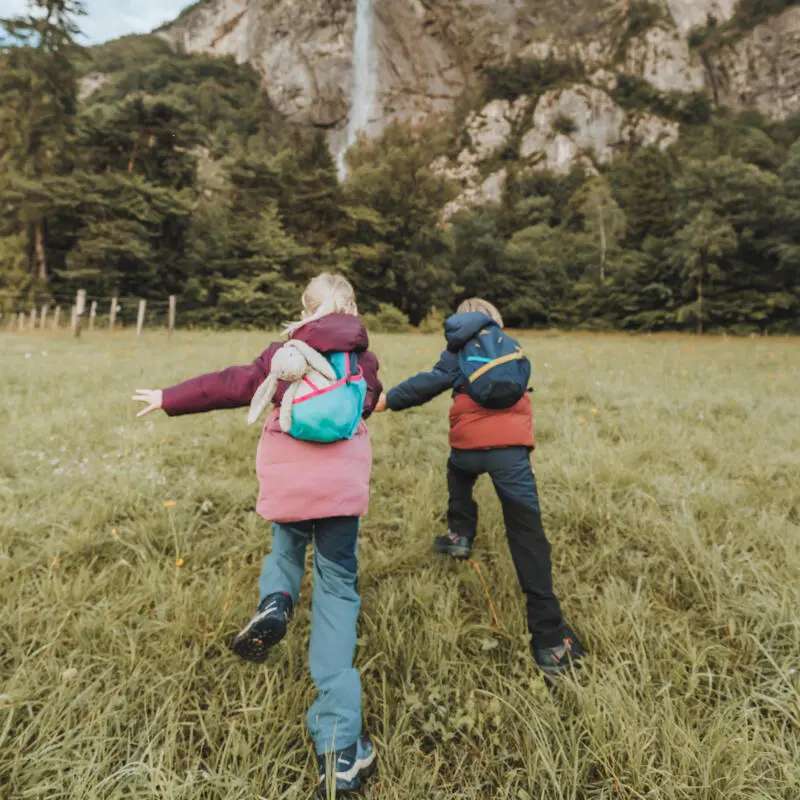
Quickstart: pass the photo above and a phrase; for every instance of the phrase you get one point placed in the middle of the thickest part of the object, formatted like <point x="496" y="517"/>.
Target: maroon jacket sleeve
<point x="369" y="365"/>
<point x="233" y="387"/>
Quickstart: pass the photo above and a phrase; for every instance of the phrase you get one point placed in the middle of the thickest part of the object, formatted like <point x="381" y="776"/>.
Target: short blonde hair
<point x="325" y="294"/>
<point x="481" y="306"/>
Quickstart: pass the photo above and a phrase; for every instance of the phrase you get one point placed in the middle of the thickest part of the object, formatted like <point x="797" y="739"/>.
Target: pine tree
<point x="603" y="220"/>
<point x="643" y="187"/>
<point x="38" y="87"/>
<point x="392" y="177"/>
<point x="702" y="247"/>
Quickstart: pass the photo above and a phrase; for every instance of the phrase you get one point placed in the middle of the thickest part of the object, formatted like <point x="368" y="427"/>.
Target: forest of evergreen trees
<point x="177" y="176"/>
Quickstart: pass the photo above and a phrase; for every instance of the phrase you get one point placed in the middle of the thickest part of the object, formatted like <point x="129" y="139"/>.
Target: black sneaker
<point x="265" y="630"/>
<point x="350" y="767"/>
<point x="557" y="660"/>
<point x="453" y="545"/>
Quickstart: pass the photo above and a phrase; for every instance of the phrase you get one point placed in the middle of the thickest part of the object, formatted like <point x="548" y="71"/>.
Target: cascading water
<point x="365" y="80"/>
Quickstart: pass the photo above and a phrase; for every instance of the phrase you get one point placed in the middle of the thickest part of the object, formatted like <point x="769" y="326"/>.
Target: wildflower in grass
<point x="179" y="563"/>
<point x="595" y="411"/>
<point x="581" y="420"/>
<point x="170" y="503"/>
<point x="84" y="368"/>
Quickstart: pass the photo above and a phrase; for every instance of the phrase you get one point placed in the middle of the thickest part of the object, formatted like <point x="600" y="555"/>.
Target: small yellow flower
<point x="53" y="561"/>
<point x="179" y="563"/>
<point x="595" y="411"/>
<point x="170" y="503"/>
<point x="684" y="372"/>
<point x="772" y="355"/>
<point x="581" y="420"/>
<point x="164" y="440"/>
<point x="84" y="368"/>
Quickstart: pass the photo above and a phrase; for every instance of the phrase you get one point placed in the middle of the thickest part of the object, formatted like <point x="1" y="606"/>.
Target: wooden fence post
<point x="92" y="314"/>
<point x="21" y="321"/>
<point x="33" y="318"/>
<point x="56" y="317"/>
<point x="80" y="307"/>
<point x="43" y="318"/>
<point x="140" y="317"/>
<point x="73" y="319"/>
<point x="112" y="314"/>
<point x="171" y="323"/>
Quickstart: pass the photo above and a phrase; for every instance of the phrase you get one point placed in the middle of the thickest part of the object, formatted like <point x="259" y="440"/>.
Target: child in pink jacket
<point x="310" y="492"/>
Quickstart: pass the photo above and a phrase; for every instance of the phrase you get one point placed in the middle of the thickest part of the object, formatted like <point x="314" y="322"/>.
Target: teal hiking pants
<point x="334" y="719"/>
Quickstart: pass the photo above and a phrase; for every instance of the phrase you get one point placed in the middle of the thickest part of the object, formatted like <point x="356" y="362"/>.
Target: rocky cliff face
<point x="429" y="52"/>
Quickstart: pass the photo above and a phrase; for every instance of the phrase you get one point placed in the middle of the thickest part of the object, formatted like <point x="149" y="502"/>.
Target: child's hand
<point x="153" y="398"/>
<point x="381" y="405"/>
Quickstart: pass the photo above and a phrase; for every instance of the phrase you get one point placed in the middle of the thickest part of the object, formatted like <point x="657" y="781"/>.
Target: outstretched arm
<point x="233" y="387"/>
<point x="427" y="385"/>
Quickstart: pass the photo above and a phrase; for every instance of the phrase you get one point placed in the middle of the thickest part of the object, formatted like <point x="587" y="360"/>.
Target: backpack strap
<point x="494" y="363"/>
<point x="352" y="368"/>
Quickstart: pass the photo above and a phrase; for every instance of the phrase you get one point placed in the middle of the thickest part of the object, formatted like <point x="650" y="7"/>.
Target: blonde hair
<point x="325" y="294"/>
<point x="478" y="304"/>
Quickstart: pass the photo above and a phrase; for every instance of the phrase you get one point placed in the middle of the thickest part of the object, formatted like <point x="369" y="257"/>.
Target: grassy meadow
<point x="669" y="475"/>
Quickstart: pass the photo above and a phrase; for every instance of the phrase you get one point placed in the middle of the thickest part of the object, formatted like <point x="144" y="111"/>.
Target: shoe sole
<point x="255" y="647"/>
<point x="364" y="773"/>
<point x="460" y="553"/>
<point x="557" y="672"/>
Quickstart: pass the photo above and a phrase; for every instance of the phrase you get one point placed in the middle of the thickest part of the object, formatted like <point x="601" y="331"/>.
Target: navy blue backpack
<point x="495" y="367"/>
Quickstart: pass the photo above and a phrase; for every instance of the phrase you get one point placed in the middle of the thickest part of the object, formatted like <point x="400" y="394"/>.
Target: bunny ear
<point x="286" y="408"/>
<point x="262" y="398"/>
<point x="315" y="360"/>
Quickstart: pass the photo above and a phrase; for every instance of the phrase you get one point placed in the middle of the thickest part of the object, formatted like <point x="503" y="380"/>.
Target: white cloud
<point x="108" y="19"/>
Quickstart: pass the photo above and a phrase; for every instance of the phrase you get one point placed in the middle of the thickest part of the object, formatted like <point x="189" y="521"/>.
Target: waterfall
<point x="365" y="80"/>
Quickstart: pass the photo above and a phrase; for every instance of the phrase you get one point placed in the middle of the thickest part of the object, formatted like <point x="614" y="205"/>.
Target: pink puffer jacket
<point x="303" y="480"/>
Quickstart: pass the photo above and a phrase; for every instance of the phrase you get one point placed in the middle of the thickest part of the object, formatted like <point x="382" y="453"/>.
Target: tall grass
<point x="668" y="470"/>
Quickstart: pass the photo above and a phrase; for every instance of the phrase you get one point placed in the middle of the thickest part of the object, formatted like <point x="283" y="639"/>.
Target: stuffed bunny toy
<point x="301" y="366"/>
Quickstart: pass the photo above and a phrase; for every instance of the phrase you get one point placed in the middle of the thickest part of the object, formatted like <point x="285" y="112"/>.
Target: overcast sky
<point x="109" y="19"/>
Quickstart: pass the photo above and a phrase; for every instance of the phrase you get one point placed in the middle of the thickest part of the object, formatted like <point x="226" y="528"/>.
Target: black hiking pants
<point x="512" y="475"/>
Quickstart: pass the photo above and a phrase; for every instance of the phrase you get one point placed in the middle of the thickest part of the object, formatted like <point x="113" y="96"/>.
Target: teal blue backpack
<point x="496" y="370"/>
<point x="333" y="413"/>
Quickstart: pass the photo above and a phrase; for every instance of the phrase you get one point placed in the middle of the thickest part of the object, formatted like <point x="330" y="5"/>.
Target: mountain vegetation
<point x="131" y="169"/>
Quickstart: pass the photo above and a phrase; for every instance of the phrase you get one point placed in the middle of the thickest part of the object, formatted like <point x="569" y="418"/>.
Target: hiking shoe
<point x="265" y="629"/>
<point x="453" y="545"/>
<point x="557" y="660"/>
<point x="350" y="767"/>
